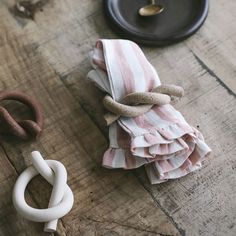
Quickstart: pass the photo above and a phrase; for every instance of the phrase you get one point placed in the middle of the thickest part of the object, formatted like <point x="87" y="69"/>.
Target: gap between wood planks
<point x="204" y="66"/>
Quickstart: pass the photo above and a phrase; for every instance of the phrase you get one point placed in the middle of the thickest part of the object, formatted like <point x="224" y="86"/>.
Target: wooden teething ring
<point x="135" y="104"/>
<point x="24" y="129"/>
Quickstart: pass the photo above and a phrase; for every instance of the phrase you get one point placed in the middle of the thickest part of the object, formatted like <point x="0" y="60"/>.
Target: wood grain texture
<point x="47" y="57"/>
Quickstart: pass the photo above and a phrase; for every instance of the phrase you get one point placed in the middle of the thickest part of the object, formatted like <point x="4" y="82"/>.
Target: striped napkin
<point x="160" y="139"/>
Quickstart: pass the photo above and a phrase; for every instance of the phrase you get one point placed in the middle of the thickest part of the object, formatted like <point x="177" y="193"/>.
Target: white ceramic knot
<point x="61" y="200"/>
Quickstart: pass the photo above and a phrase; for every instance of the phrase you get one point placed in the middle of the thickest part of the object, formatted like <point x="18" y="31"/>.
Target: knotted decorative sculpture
<point x="149" y="131"/>
<point x="24" y="129"/>
<point x="136" y="104"/>
<point x="61" y="200"/>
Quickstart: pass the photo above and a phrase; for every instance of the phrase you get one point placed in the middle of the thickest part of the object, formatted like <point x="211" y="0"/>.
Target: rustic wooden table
<point x="47" y="57"/>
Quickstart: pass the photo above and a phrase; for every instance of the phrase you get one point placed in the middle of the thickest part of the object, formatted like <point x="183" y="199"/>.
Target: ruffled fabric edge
<point x="192" y="163"/>
<point x="160" y="168"/>
<point x="167" y="140"/>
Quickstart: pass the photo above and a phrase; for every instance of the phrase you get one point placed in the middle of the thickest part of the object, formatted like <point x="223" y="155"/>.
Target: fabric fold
<point x="160" y="139"/>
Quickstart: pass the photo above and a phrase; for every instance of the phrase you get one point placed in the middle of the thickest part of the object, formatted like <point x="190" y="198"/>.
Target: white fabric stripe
<point x="113" y="70"/>
<point x="98" y="53"/>
<point x="100" y="78"/>
<point x="113" y="135"/>
<point x="157" y="81"/>
<point x="202" y="148"/>
<point x="139" y="152"/>
<point x="119" y="159"/>
<point x="176" y="114"/>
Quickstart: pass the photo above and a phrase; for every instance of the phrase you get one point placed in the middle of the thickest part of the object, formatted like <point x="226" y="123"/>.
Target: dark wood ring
<point x="24" y="129"/>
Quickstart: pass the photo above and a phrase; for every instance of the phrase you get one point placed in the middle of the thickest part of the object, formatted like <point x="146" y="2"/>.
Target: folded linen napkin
<point x="160" y="139"/>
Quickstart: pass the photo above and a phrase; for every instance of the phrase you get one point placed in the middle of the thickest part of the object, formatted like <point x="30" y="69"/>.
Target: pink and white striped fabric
<point x="160" y="139"/>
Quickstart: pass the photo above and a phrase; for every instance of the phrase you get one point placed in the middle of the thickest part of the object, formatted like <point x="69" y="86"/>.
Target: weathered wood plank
<point x="106" y="202"/>
<point x="201" y="203"/>
<point x="214" y="45"/>
<point x="47" y="57"/>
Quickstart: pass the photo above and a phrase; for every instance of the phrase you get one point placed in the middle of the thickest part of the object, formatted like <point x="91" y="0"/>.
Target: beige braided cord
<point x="136" y="104"/>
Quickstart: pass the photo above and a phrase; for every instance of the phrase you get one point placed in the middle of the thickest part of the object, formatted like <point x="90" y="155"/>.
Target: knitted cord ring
<point x="24" y="129"/>
<point x="136" y="104"/>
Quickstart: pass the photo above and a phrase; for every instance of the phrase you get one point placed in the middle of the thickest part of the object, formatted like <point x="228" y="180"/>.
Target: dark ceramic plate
<point x="179" y="20"/>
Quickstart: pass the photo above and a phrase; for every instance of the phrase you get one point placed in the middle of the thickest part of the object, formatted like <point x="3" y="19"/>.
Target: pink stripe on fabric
<point x="130" y="160"/>
<point x="170" y="163"/>
<point x="150" y="138"/>
<point x="123" y="139"/>
<point x="100" y="64"/>
<point x="127" y="74"/>
<point x="142" y="122"/>
<point x="165" y="165"/>
<point x="108" y="158"/>
<point x="99" y="45"/>
<point x="185" y="165"/>
<point x="146" y="152"/>
<point x="98" y="57"/>
<point x="164" y="114"/>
